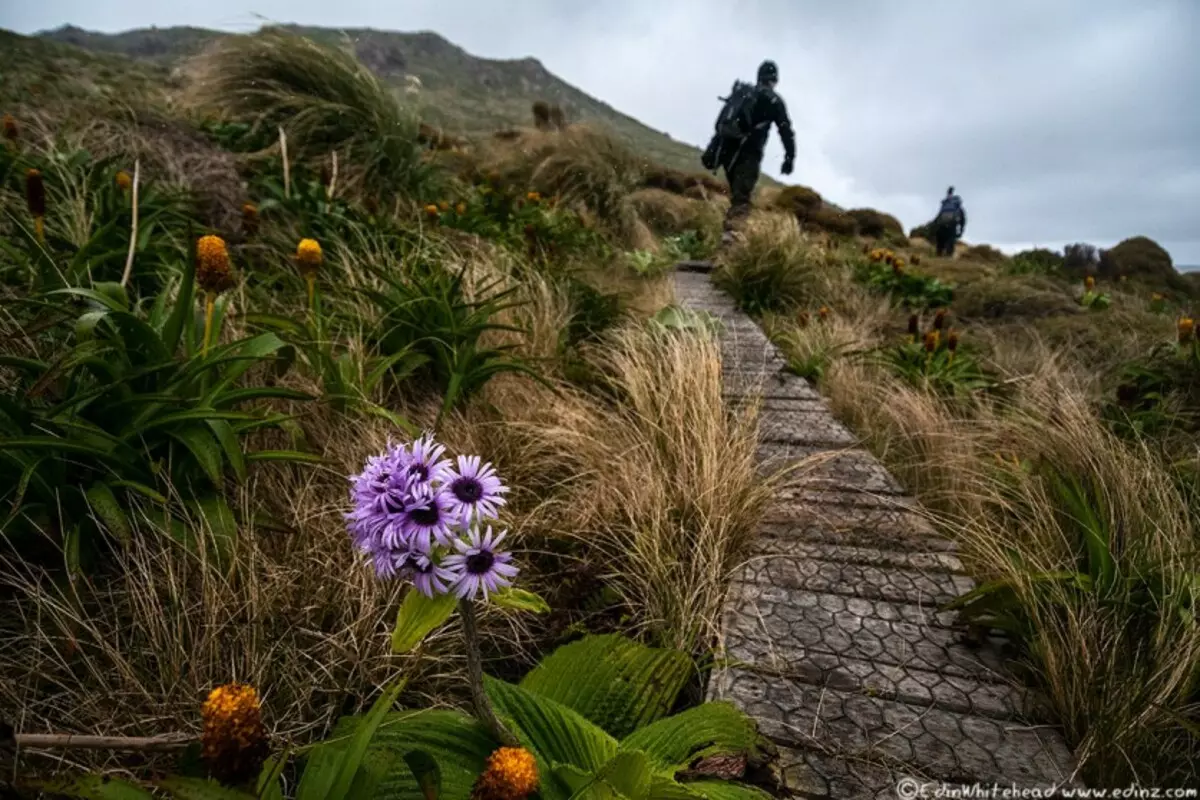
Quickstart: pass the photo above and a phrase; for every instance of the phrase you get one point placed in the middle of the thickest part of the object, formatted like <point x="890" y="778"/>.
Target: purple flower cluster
<point x="418" y="516"/>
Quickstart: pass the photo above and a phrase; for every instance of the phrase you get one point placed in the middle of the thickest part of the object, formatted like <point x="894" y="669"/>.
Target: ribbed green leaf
<point x="725" y="790"/>
<point x="555" y="733"/>
<point x="356" y="750"/>
<point x="459" y="744"/>
<point x="615" y="682"/>
<point x="418" y="616"/>
<point x="285" y="455"/>
<point x="711" y="729"/>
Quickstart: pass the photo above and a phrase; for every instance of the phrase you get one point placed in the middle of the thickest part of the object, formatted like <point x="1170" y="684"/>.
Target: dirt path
<point x="832" y="632"/>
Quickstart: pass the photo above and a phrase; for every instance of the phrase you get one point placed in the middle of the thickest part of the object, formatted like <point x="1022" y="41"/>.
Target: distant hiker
<point x="949" y="223"/>
<point x="741" y="134"/>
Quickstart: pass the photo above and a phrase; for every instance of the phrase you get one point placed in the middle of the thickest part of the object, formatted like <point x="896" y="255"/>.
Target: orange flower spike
<point x="511" y="774"/>
<point x="124" y="182"/>
<point x="1089" y="283"/>
<point x="233" y="741"/>
<point x="932" y="339"/>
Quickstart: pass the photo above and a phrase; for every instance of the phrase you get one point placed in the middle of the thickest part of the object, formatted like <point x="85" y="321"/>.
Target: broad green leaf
<point x="615" y="682"/>
<point x="230" y="444"/>
<point x="556" y="734"/>
<point x="459" y="744"/>
<point x="710" y="729"/>
<point x="418" y="617"/>
<point x="100" y="787"/>
<point x="520" y="600"/>
<point x="107" y="508"/>
<point x="426" y="771"/>
<point x="725" y="790"/>
<point x="358" y="745"/>
<point x="628" y="775"/>
<point x="267" y="786"/>
<point x="200" y="443"/>
<point x="201" y="789"/>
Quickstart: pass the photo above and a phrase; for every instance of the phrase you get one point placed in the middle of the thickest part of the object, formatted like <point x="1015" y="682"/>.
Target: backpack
<point x="736" y="119"/>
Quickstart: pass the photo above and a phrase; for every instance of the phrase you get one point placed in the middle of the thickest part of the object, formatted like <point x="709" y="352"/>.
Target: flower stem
<point x="39" y="229"/>
<point x="483" y="706"/>
<point x="209" y="305"/>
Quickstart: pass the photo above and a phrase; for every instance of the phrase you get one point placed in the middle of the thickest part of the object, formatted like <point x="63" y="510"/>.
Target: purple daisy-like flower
<point x="428" y="577"/>
<point x="479" y="564"/>
<point x="475" y="490"/>
<point x="428" y="517"/>
<point x="425" y="462"/>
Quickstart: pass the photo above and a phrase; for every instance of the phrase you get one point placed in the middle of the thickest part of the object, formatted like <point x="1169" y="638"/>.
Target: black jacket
<point x="769" y="109"/>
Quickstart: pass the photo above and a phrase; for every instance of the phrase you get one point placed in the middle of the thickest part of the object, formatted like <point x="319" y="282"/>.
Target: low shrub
<point x="876" y="224"/>
<point x="832" y="221"/>
<point x="772" y="269"/>
<point x="1138" y="258"/>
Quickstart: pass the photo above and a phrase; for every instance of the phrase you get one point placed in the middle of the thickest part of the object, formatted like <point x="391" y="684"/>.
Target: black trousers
<point x="945" y="237"/>
<point x="742" y="174"/>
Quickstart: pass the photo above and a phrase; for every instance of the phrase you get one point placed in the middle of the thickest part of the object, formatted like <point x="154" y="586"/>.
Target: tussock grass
<point x="324" y="98"/>
<point x="674" y="507"/>
<point x="773" y="267"/>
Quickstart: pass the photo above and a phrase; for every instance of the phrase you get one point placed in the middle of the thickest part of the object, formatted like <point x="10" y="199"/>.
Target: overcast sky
<point x="1056" y="120"/>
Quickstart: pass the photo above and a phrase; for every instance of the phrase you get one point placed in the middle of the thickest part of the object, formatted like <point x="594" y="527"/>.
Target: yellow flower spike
<point x="460" y="209"/>
<point x="914" y="327"/>
<point x="932" y="339"/>
<point x="213" y="275"/>
<point x="511" y="774"/>
<point x="1089" y="282"/>
<point x="35" y="198"/>
<point x="533" y="197"/>
<point x="309" y="258"/>
<point x="431" y="210"/>
<point x="233" y="742"/>
<point x="1186" y="328"/>
<point x="823" y="312"/>
<point x="444" y="206"/>
<point x="124" y="182"/>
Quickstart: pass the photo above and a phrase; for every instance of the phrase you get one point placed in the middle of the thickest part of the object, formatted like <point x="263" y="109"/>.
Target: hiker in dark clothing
<point x="741" y="136"/>
<point x="949" y="224"/>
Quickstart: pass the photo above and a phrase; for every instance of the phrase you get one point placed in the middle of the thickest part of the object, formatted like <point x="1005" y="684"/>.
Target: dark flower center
<point x="467" y="490"/>
<point x="480" y="563"/>
<point x="420" y="470"/>
<point x="427" y="515"/>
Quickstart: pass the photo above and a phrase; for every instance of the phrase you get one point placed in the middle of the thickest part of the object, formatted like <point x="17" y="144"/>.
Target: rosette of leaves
<point x="906" y="288"/>
<point x="122" y="410"/>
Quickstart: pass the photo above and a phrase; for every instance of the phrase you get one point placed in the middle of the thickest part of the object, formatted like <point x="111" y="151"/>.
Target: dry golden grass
<point x="1119" y="674"/>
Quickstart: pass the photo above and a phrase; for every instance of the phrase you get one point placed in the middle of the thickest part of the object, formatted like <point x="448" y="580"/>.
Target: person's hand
<point x="786" y="169"/>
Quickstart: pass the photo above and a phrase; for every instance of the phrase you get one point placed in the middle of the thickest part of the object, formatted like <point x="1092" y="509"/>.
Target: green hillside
<point x="463" y="93"/>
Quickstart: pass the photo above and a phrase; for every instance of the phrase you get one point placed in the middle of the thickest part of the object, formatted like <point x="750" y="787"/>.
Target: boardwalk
<point x="831" y="631"/>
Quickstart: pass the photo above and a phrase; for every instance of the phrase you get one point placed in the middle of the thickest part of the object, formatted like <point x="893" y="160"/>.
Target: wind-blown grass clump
<point x="325" y="100"/>
<point x="774" y="268"/>
<point x="676" y="497"/>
